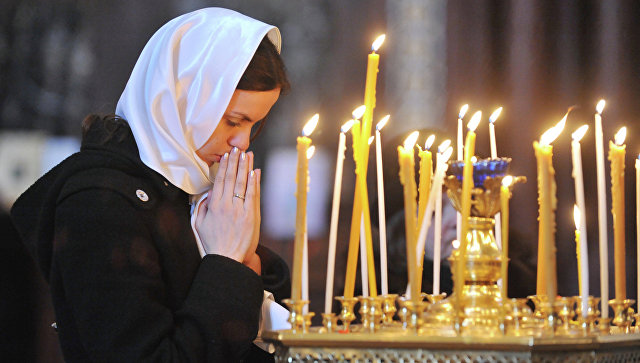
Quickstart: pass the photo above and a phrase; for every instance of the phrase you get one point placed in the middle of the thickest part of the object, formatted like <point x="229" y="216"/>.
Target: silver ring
<point x="238" y="196"/>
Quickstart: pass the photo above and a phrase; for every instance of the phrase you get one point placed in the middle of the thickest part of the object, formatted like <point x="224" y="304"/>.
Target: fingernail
<point x="234" y="150"/>
<point x="251" y="174"/>
<point x="243" y="156"/>
<point x="225" y="156"/>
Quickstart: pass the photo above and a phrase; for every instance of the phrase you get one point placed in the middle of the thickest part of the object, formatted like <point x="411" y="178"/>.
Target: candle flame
<point x="463" y="111"/>
<point x="600" y="106"/>
<point x="550" y="135"/>
<point x="371" y="139"/>
<point x="621" y="135"/>
<point x="444" y="145"/>
<point x="494" y="116"/>
<point x="579" y="133"/>
<point x="310" y="125"/>
<point x="429" y="142"/>
<point x="310" y="151"/>
<point x="507" y="180"/>
<point x="382" y="123"/>
<point x="447" y="154"/>
<point x="411" y="140"/>
<point x="358" y="112"/>
<point x="377" y="43"/>
<point x="456" y="244"/>
<point x="347" y="126"/>
<point x="475" y="120"/>
<point x="576" y="216"/>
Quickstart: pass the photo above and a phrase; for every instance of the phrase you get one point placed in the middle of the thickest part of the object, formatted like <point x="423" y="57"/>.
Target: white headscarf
<point x="181" y="86"/>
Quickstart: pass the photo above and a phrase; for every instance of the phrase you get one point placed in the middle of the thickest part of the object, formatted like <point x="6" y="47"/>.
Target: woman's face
<point x="245" y="109"/>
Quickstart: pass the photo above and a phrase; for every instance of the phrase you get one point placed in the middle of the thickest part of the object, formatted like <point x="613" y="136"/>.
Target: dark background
<point x="60" y="60"/>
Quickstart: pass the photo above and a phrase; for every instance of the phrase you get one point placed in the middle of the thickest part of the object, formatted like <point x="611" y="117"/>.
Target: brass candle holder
<point x="365" y="316"/>
<point x="604" y="325"/>
<point x="517" y="314"/>
<point x="623" y="314"/>
<point x="329" y="322"/>
<point x="296" y="317"/>
<point x="563" y="307"/>
<point x="347" y="315"/>
<point x="389" y="308"/>
<point x="306" y="318"/>
<point x="587" y="323"/>
<point x="415" y="310"/>
<point x="375" y="313"/>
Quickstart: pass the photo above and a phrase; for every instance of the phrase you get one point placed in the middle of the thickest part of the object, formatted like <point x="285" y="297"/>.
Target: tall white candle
<point x="335" y="211"/>
<point x="494" y="155"/>
<point x="602" y="213"/>
<point x="579" y="189"/>
<point x="460" y="147"/>
<point x="381" y="209"/>
<point x="638" y="227"/>
<point x="437" y="232"/>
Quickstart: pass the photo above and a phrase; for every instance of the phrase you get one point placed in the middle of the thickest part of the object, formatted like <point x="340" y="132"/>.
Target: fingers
<point x="231" y="174"/>
<point x="218" y="183"/>
<point x="240" y="188"/>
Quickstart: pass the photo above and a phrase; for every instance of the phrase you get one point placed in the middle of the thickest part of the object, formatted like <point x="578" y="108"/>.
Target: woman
<point x="136" y="272"/>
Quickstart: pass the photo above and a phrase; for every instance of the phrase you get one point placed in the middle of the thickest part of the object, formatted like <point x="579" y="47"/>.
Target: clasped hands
<point x="228" y="222"/>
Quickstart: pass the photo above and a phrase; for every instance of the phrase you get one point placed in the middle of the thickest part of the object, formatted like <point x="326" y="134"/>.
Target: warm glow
<point x="410" y="141"/>
<point x="358" y="112"/>
<point x="576" y="216"/>
<point x="550" y="135"/>
<point x="310" y="151"/>
<point x="507" y="180"/>
<point x="310" y="125"/>
<point x="444" y="145"/>
<point x="579" y="133"/>
<point x="621" y="135"/>
<point x="600" y="106"/>
<point x="371" y="139"/>
<point x="347" y="126"/>
<point x="377" y="43"/>
<point x="456" y="244"/>
<point x="463" y="111"/>
<point x="475" y="120"/>
<point x="474" y="159"/>
<point x="429" y="142"/>
<point x="447" y="154"/>
<point x="494" y="116"/>
<point x="382" y="123"/>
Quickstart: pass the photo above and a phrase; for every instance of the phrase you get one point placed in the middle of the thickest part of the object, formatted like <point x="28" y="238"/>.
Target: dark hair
<point x="266" y="70"/>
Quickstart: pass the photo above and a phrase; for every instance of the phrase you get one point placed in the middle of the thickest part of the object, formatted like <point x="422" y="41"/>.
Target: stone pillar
<point x="416" y="68"/>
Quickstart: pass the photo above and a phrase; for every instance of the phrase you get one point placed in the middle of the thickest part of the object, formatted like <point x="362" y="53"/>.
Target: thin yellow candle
<point x="370" y="94"/>
<point x="576" y="220"/>
<point x="407" y="178"/>
<point x="546" y="279"/>
<point x="505" y="195"/>
<point x="467" y="185"/>
<point x="616" y="156"/>
<point x="426" y="173"/>
<point x="302" y="174"/>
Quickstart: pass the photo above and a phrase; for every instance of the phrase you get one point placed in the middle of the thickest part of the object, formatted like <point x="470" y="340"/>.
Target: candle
<point x="547" y="281"/>
<point x="335" y="211"/>
<point x="305" y="250"/>
<point x="576" y="220"/>
<point x="583" y="262"/>
<point x="426" y="172"/>
<point x="505" y="195"/>
<point x="638" y="226"/>
<point x="303" y="143"/>
<point x="467" y="185"/>
<point x="602" y="213"/>
<point x="459" y="141"/>
<point x="407" y="179"/>
<point x="444" y="153"/>
<point x="364" y="276"/>
<point x="494" y="155"/>
<point x="616" y="156"/>
<point x="381" y="209"/>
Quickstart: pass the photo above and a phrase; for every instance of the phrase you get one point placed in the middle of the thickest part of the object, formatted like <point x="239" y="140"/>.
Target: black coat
<point x="113" y="239"/>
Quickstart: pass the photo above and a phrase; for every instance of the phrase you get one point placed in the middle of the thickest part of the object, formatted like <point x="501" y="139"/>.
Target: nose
<point x="240" y="139"/>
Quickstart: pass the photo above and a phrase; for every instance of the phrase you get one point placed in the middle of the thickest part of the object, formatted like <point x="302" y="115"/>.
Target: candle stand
<point x="488" y="326"/>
